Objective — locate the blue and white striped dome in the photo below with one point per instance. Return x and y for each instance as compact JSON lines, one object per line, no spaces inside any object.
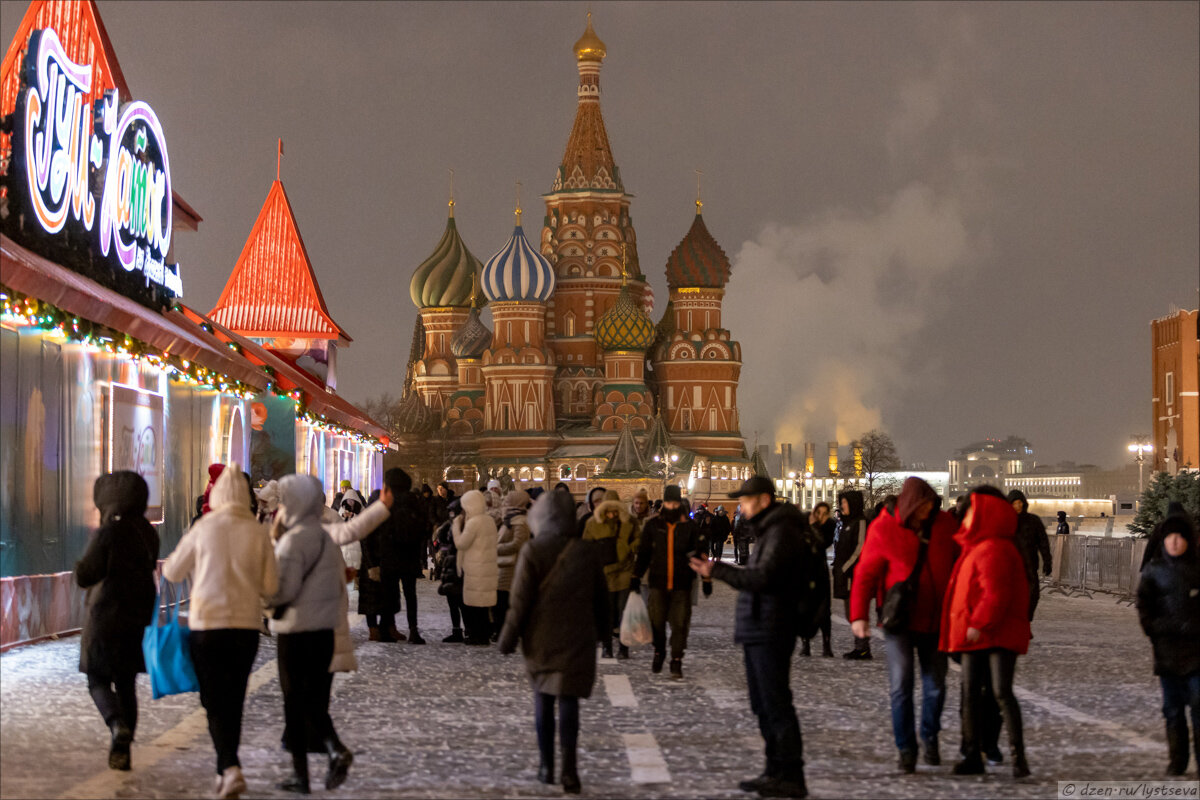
{"x":518,"y":272}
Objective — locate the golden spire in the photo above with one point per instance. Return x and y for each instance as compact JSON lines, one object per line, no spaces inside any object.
{"x":623,"y":273}
{"x":699,"y":204}
{"x":451,"y":193}
{"x":589,"y":47}
{"x":474,"y":287}
{"x":518,"y":209}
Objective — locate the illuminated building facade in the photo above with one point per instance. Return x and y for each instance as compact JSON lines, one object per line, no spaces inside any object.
{"x":1175,"y":367}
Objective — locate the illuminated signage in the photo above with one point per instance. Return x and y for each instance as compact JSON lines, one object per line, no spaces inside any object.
{"x":97,"y":181}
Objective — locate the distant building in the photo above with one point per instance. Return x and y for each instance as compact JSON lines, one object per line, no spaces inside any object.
{"x":1090,"y":489}
{"x":1175,"y":393}
{"x":989,"y":461}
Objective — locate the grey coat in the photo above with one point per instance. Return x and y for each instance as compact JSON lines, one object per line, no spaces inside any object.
{"x":314,"y":603}
{"x":559,"y":602}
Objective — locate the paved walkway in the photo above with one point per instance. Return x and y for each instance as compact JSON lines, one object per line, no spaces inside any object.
{"x":452,"y":721}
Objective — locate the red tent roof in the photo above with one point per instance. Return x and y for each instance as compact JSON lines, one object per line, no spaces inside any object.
{"x":84,"y":39}
{"x":273,"y":290}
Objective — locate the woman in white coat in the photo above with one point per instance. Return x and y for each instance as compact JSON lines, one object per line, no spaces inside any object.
{"x":476,"y":543}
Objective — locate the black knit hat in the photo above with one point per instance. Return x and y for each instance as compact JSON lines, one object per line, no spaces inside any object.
{"x":672,"y":493}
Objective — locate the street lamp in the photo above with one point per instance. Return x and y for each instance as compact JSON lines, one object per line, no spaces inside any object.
{"x":666,"y":461}
{"x":1139,"y":448}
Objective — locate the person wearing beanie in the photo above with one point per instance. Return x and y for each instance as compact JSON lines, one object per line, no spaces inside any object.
{"x":511,"y":537}
{"x":616,"y":539}
{"x":1032,"y":542}
{"x":1168,"y":602}
{"x":667,"y":542}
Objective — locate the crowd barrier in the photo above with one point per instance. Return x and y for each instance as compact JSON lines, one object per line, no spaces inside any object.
{"x":1086,"y":564}
{"x":34,"y":608}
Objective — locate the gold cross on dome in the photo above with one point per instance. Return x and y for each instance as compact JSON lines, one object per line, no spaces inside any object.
{"x":699,"y":204}
{"x":452,"y":192}
{"x":623,"y":272}
{"x":518,"y":211}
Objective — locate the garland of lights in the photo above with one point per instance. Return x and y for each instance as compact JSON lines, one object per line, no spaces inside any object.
{"x":25,"y":311}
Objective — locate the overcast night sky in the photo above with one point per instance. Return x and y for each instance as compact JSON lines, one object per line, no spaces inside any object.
{"x":952,"y":221}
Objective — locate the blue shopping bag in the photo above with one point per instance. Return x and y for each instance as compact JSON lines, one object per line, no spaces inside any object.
{"x":168,"y":655}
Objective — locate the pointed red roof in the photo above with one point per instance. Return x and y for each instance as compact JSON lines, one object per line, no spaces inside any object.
{"x":84,"y":40}
{"x":273,"y":290}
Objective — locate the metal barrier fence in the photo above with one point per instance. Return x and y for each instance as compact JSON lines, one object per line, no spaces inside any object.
{"x":1086,"y":564}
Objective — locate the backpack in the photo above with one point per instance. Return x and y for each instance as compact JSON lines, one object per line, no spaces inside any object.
{"x":812,"y":601}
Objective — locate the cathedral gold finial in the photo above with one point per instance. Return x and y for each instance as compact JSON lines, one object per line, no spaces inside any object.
{"x":624,"y":274}
{"x":474,"y":287}
{"x":699,"y":204}
{"x":452,"y":193}
{"x":518,"y":209}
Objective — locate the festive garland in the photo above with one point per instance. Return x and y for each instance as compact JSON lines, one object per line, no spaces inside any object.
{"x":20,"y":309}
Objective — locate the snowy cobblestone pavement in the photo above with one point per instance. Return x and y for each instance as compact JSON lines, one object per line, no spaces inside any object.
{"x":452,"y":721}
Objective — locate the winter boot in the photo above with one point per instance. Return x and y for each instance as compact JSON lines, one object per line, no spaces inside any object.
{"x":932,"y":756}
{"x":1177,"y":747}
{"x":676,"y":669}
{"x":1020,"y":765}
{"x":826,"y":647}
{"x":546,"y":768}
{"x":994,"y":757}
{"x":971,"y":764}
{"x":622,"y":653}
{"x":784,"y":786}
{"x":298,"y":781}
{"x":606,"y":650}
{"x":118,"y":752}
{"x":861,"y":651}
{"x":393,"y":634}
{"x":570,"y":775}
{"x":908,"y":761}
{"x":656,"y":664}
{"x":805,"y":647}
{"x":455,"y":637}
{"x":414,"y":637}
{"x":372,"y":634}
{"x":753,"y":784}
{"x":340,"y":760}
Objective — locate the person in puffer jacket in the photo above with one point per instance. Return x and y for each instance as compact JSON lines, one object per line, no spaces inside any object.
{"x":985,"y":617}
{"x":476,"y":543}
{"x":616,"y":537}
{"x":512,"y":536}
{"x":1168,"y":600}
{"x":312,"y":578}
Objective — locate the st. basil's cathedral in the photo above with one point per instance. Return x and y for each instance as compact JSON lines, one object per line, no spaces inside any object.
{"x":575,"y":382}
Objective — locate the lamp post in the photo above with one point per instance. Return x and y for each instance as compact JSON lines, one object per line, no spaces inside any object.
{"x":666,"y":461}
{"x":1139,"y":448}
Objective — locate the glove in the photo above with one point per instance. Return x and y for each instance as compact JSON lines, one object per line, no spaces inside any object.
{"x":635,"y":584}
{"x":707,"y":587}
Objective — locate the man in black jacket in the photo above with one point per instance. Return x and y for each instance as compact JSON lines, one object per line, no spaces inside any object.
{"x":668,"y":540}
{"x":766,"y":627}
{"x":1032,"y":541}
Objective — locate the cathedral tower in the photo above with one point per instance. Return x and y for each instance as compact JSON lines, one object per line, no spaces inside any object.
{"x":586,"y":226}
{"x":624,"y":333}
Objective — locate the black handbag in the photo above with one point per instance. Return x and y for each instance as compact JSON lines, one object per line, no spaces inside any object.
{"x":899,"y":600}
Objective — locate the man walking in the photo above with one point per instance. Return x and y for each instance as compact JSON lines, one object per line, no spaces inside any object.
{"x":718,"y":531}
{"x":766,"y":626}
{"x":668,"y":540}
{"x":914,"y":543}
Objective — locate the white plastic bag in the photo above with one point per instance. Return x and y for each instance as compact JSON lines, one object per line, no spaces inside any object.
{"x":635,"y":622}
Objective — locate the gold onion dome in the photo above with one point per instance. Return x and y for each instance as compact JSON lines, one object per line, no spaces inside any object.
{"x":472,"y":338}
{"x":625,"y":326}
{"x":589,"y":47}
{"x":446,"y":277}
{"x":698,"y":261}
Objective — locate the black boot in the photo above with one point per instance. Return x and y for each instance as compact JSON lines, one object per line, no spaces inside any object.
{"x":933,"y":756}
{"x":454,"y":637}
{"x":861,"y":651}
{"x":972,"y":764}
{"x":677,"y":669}
{"x":908,"y":761}
{"x":1177,"y":747}
{"x":1020,"y":765}
{"x":657,"y":662}
{"x":826,"y":647}
{"x":340,"y":760}
{"x":622,"y":652}
{"x":546,"y":768}
{"x":784,"y":786}
{"x":122,"y":737}
{"x":570,"y":775}
{"x":805,"y":647}
{"x":298,"y":781}
{"x":606,"y":650}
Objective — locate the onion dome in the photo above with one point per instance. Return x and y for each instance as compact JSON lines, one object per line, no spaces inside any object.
{"x":698,"y":260}
{"x":589,"y":47}
{"x":472,"y":338}
{"x":518,"y":272}
{"x":413,"y":416}
{"x":624,"y":326}
{"x":445,"y":278}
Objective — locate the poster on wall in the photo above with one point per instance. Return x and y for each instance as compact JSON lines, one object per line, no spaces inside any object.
{"x":272,"y":437}
{"x":135,"y":430}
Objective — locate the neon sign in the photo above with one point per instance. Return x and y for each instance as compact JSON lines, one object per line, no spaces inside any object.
{"x":112,"y":156}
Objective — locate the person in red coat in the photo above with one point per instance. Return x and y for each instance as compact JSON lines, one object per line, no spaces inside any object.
{"x":889,"y":557}
{"x":985,"y":617}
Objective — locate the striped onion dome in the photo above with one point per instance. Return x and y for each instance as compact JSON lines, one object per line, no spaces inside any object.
{"x":698,"y":261}
{"x":444,"y":279}
{"x":472,"y":338}
{"x":414,"y":416}
{"x":624,"y":326}
{"x":518,"y":272}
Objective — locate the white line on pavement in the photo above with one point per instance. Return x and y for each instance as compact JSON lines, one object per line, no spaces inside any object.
{"x":110,"y":782}
{"x":619,"y":691}
{"x":646,"y":760}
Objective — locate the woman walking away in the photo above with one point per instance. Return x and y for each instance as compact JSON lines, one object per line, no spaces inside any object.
{"x":307,"y":606}
{"x":476,"y":543}
{"x":616,"y":539}
{"x":118,"y":571}
{"x":558,"y":608}
{"x":229,"y":558}
{"x":1169,"y":610}
{"x":985,"y":616}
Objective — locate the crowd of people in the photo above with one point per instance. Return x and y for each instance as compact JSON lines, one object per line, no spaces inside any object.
{"x":537,"y":571}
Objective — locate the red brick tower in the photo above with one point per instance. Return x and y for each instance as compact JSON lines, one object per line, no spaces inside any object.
{"x":587,"y":222}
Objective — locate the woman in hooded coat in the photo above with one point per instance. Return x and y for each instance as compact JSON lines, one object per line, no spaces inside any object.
{"x":512,"y":536}
{"x":848,"y":544}
{"x":558,"y":608}
{"x":1168,"y":600}
{"x":307,"y":606}
{"x":476,"y":544}
{"x":985,"y":617}
{"x":616,"y":538}
{"x":229,"y":558}
{"x":118,"y":572}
